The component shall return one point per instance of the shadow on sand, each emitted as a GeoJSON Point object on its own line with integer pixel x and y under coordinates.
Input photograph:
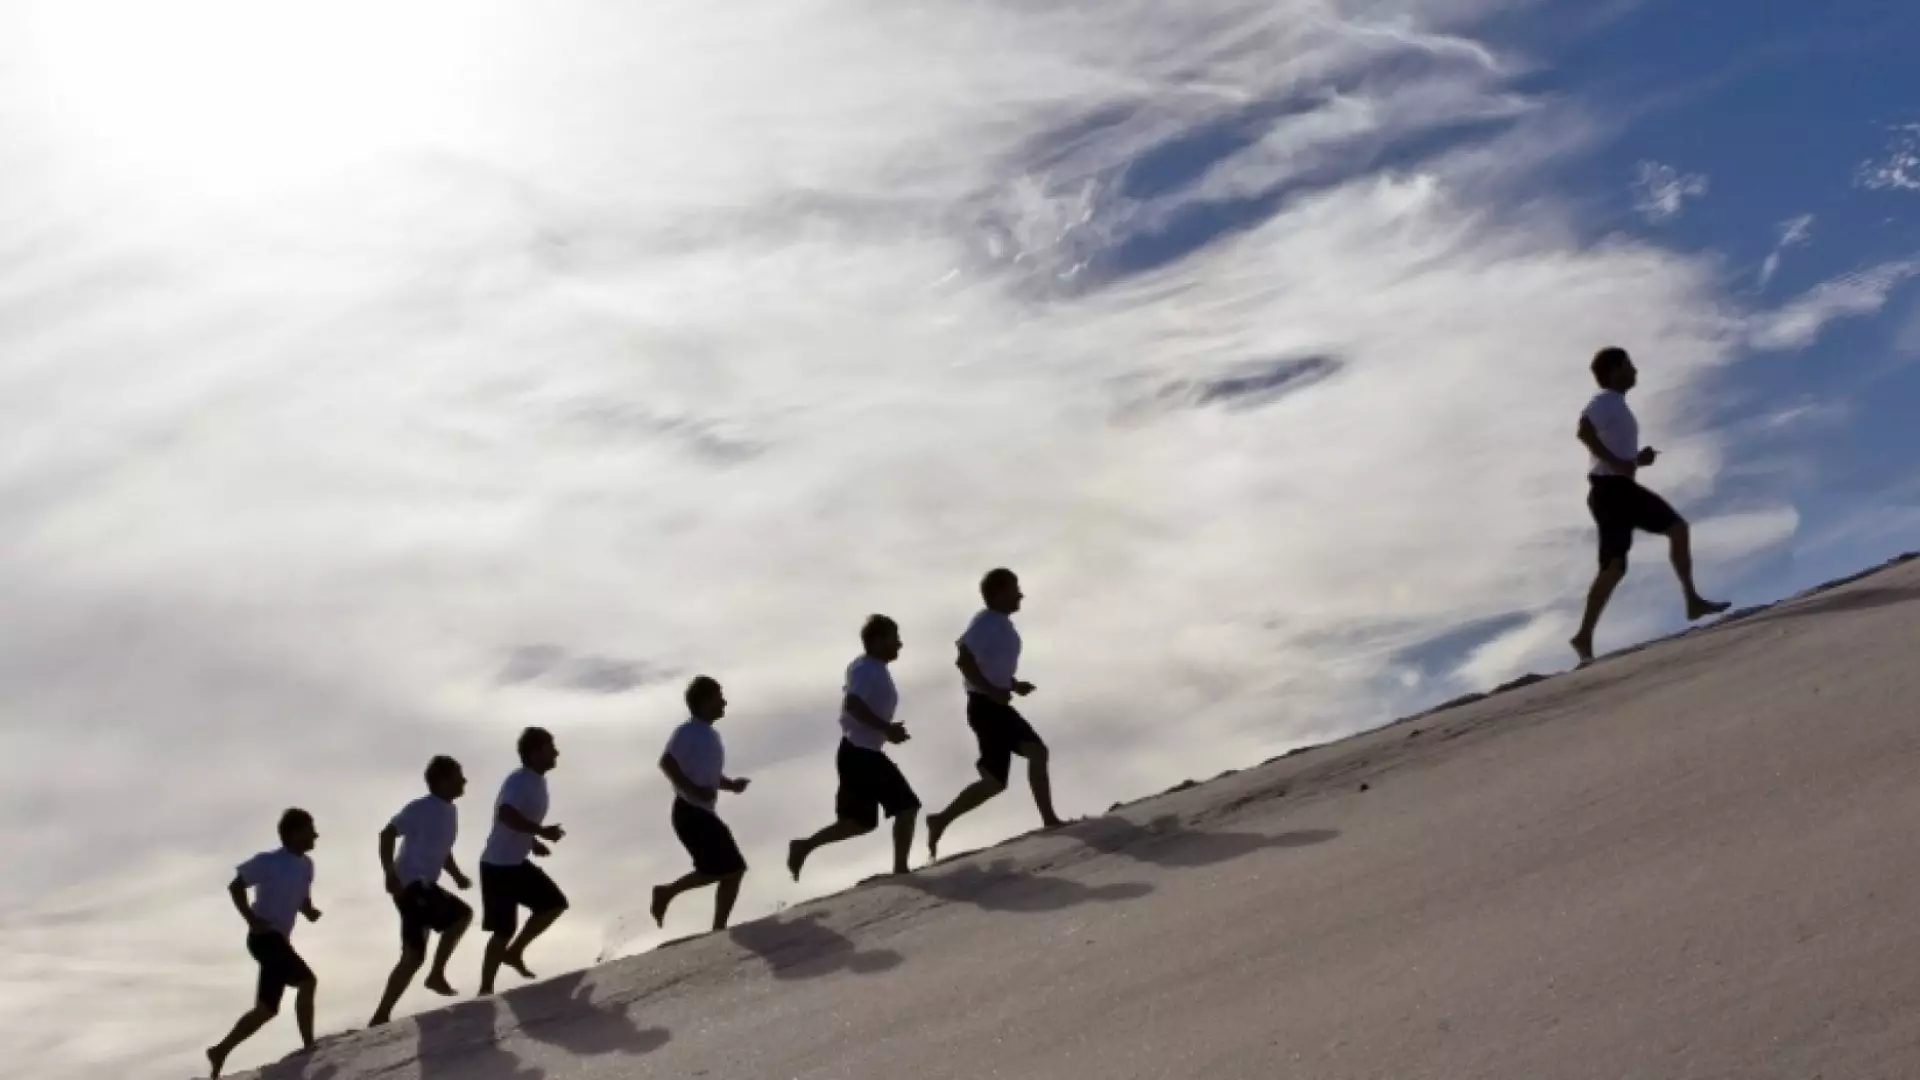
{"type": "Point", "coordinates": [1166, 841]}
{"type": "Point", "coordinates": [563, 1012]}
{"type": "Point", "coordinates": [463, 1041]}
{"type": "Point", "coordinates": [460, 1043]}
{"type": "Point", "coordinates": [999, 887]}
{"type": "Point", "coordinates": [803, 949]}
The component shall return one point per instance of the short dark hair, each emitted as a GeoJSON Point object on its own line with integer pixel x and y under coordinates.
{"type": "Point", "coordinates": [1607, 361]}
{"type": "Point", "coordinates": [876, 627]}
{"type": "Point", "coordinates": [292, 819]}
{"type": "Point", "coordinates": [701, 688]}
{"type": "Point", "coordinates": [440, 766]}
{"type": "Point", "coordinates": [532, 737]}
{"type": "Point", "coordinates": [997, 578]}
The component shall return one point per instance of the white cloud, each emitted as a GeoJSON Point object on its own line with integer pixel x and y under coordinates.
{"type": "Point", "coordinates": [1806, 414]}
{"type": "Point", "coordinates": [626, 342]}
{"type": "Point", "coordinates": [1798, 323]}
{"type": "Point", "coordinates": [1794, 232]}
{"type": "Point", "coordinates": [1727, 538]}
{"type": "Point", "coordinates": [1660, 192]}
{"type": "Point", "coordinates": [1899, 170]}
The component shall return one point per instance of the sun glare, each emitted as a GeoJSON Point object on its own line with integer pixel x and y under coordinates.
{"type": "Point", "coordinates": [247, 96]}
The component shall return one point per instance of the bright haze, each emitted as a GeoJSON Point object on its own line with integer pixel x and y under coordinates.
{"type": "Point", "coordinates": [379, 379]}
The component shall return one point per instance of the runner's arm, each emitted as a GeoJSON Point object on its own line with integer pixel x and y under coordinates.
{"type": "Point", "coordinates": [237, 889]}
{"type": "Point", "coordinates": [1590, 438]}
{"type": "Point", "coordinates": [857, 707]}
{"type": "Point", "coordinates": [388, 837]}
{"type": "Point", "coordinates": [453, 870]}
{"type": "Point", "coordinates": [971, 669]}
{"type": "Point", "coordinates": [512, 818]}
{"type": "Point", "coordinates": [679, 779]}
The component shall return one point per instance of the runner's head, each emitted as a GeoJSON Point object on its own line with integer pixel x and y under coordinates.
{"type": "Point", "coordinates": [1613, 369]}
{"type": "Point", "coordinates": [296, 831]}
{"type": "Point", "coordinates": [537, 751]}
{"type": "Point", "coordinates": [881, 638]}
{"type": "Point", "coordinates": [704, 699]}
{"type": "Point", "coordinates": [1001, 590]}
{"type": "Point", "coordinates": [445, 778]}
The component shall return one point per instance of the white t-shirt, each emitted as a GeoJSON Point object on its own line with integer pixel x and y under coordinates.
{"type": "Point", "coordinates": [995, 646]}
{"type": "Point", "coordinates": [870, 681]}
{"type": "Point", "coordinates": [428, 826]}
{"type": "Point", "coordinates": [281, 882]}
{"type": "Point", "coordinates": [525, 791]}
{"type": "Point", "coordinates": [696, 747]}
{"type": "Point", "coordinates": [1614, 422]}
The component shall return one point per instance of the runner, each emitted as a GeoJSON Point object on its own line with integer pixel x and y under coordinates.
{"type": "Point", "coordinates": [695, 763]}
{"type": "Point", "coordinates": [282, 884]}
{"type": "Point", "coordinates": [425, 828]}
{"type": "Point", "coordinates": [869, 780]}
{"type": "Point", "coordinates": [509, 880]}
{"type": "Point", "coordinates": [1619, 504]}
{"type": "Point", "coordinates": [989, 656]}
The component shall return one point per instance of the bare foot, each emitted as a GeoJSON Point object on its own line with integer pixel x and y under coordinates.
{"type": "Point", "coordinates": [517, 963]}
{"type": "Point", "coordinates": [661, 898]}
{"type": "Point", "coordinates": [1583, 648]}
{"type": "Point", "coordinates": [1051, 823]}
{"type": "Point", "coordinates": [486, 990]}
{"type": "Point", "coordinates": [216, 1058]}
{"type": "Point", "coordinates": [935, 826]}
{"type": "Point", "coordinates": [797, 857]}
{"type": "Point", "coordinates": [438, 984]}
{"type": "Point", "coordinates": [1699, 608]}
{"type": "Point", "coordinates": [379, 1020]}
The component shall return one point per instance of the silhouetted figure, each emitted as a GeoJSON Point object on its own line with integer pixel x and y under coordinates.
{"type": "Point", "coordinates": [1619, 504]}
{"type": "Point", "coordinates": [282, 884]}
{"type": "Point", "coordinates": [695, 763]}
{"type": "Point", "coordinates": [509, 878]}
{"type": "Point", "coordinates": [425, 829]}
{"type": "Point", "coordinates": [989, 656]}
{"type": "Point", "coordinates": [869, 780]}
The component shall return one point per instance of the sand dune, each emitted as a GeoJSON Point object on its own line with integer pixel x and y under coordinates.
{"type": "Point", "coordinates": [1695, 859]}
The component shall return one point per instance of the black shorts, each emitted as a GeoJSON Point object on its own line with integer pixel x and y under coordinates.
{"type": "Point", "coordinates": [280, 967]}
{"type": "Point", "coordinates": [1002, 733]}
{"type": "Point", "coordinates": [708, 840]}
{"type": "Point", "coordinates": [1619, 506]}
{"type": "Point", "coordinates": [504, 890]}
{"type": "Point", "coordinates": [427, 909]}
{"type": "Point", "coordinates": [869, 783]}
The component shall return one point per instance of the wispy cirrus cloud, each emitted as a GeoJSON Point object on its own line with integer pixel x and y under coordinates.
{"type": "Point", "coordinates": [1794, 232]}
{"type": "Point", "coordinates": [1661, 192]}
{"type": "Point", "coordinates": [1798, 323]}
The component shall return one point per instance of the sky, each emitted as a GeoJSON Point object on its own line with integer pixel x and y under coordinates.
{"type": "Point", "coordinates": [376, 381]}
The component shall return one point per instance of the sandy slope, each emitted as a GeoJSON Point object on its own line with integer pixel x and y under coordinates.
{"type": "Point", "coordinates": [1696, 860]}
